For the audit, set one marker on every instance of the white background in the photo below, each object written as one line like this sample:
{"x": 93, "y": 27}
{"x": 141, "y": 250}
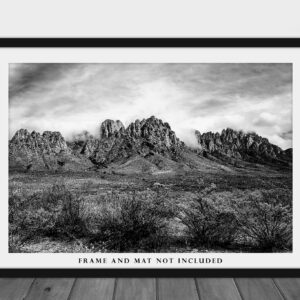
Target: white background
{"x": 149, "y": 18}
{"x": 236, "y": 260}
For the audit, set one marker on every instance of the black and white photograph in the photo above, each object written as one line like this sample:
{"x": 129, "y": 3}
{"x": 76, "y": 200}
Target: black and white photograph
{"x": 150, "y": 158}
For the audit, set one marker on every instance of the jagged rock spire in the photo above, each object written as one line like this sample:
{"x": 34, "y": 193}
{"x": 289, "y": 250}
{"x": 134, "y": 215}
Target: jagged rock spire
{"x": 237, "y": 144}
{"x": 110, "y": 128}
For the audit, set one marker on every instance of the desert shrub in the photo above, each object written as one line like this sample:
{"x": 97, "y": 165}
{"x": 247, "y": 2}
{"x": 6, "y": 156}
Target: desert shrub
{"x": 134, "y": 222}
{"x": 55, "y": 211}
{"x": 71, "y": 217}
{"x": 15, "y": 243}
{"x": 265, "y": 219}
{"x": 209, "y": 222}
{"x": 17, "y": 205}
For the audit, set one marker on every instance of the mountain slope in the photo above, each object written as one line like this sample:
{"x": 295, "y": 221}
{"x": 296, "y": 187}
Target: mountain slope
{"x": 242, "y": 146}
{"x": 47, "y": 151}
{"x": 149, "y": 145}
{"x": 145, "y": 138}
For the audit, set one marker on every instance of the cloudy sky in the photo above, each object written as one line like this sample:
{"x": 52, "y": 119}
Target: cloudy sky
{"x": 71, "y": 98}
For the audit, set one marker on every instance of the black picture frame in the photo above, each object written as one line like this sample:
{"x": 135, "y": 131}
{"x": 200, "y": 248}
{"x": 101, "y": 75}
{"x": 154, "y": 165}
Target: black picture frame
{"x": 150, "y": 43}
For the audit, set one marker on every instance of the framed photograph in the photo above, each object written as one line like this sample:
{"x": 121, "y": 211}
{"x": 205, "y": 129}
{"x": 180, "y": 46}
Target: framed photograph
{"x": 149, "y": 157}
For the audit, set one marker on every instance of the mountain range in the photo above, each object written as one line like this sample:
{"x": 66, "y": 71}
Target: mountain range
{"x": 148, "y": 145}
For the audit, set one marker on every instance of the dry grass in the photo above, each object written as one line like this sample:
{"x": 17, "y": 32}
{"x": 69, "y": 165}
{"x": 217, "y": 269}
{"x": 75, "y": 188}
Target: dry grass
{"x": 103, "y": 196}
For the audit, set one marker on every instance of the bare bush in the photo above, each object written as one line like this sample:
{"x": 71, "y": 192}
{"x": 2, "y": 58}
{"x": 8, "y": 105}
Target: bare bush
{"x": 55, "y": 211}
{"x": 133, "y": 223}
{"x": 265, "y": 218}
{"x": 209, "y": 223}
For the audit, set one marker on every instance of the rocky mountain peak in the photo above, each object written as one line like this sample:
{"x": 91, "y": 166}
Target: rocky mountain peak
{"x": 134, "y": 128}
{"x": 21, "y": 135}
{"x": 110, "y": 128}
{"x": 47, "y": 142}
{"x": 154, "y": 131}
{"x": 239, "y": 145}
{"x": 37, "y": 151}
{"x": 148, "y": 138}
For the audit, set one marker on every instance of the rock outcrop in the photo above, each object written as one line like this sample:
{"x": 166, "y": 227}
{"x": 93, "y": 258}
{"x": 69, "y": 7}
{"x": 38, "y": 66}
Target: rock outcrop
{"x": 47, "y": 143}
{"x": 153, "y": 135}
{"x": 239, "y": 145}
{"x": 35, "y": 150}
{"x": 150, "y": 139}
{"x": 154, "y": 131}
{"x": 111, "y": 128}
{"x": 143, "y": 138}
